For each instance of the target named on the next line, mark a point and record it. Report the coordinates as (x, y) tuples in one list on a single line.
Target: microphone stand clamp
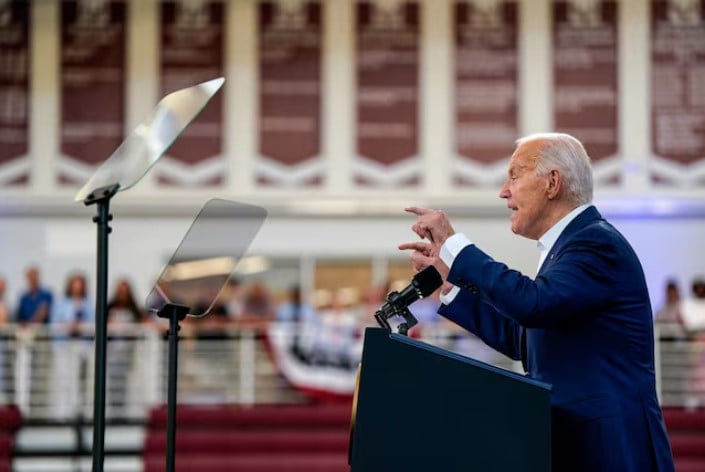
[(392, 308)]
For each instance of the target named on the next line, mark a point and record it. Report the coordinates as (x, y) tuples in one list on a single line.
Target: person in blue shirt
[(35, 303), (71, 320), (295, 309), (304, 328), (75, 310)]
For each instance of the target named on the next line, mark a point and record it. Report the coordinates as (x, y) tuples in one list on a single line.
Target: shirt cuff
[(447, 298), (452, 247), (449, 251)]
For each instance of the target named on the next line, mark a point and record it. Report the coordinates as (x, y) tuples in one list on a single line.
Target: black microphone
[(422, 285)]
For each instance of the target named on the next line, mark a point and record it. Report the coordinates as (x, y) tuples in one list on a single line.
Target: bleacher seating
[(686, 430), (10, 421), (287, 438)]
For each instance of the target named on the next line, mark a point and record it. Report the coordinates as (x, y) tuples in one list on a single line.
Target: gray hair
[(564, 152)]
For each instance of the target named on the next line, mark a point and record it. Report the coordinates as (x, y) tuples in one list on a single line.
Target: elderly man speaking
[(584, 324)]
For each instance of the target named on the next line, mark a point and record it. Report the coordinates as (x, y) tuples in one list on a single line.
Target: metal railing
[(681, 367), (49, 374)]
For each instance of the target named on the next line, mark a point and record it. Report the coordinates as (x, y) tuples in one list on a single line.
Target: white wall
[(141, 245)]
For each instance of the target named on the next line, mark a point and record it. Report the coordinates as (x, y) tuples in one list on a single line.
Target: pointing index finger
[(418, 211), (416, 246)]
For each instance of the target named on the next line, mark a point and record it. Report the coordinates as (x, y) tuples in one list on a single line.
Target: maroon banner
[(387, 93), (92, 85), (677, 86), (192, 52), (289, 92), (585, 75), (486, 84), (14, 89)]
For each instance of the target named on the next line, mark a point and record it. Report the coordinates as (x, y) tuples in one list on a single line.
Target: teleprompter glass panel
[(152, 138), (206, 257)]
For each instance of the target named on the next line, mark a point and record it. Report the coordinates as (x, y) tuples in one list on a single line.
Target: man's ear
[(555, 179)]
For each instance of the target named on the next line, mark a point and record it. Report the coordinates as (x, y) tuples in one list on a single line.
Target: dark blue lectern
[(421, 408)]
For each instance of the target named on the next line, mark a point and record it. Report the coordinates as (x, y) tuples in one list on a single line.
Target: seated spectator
[(36, 302)]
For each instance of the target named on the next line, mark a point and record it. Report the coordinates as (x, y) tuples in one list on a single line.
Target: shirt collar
[(549, 238)]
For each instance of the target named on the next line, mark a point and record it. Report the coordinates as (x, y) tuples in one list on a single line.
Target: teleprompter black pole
[(101, 197), (174, 313)]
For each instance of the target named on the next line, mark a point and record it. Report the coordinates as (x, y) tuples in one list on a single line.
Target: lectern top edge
[(468, 360)]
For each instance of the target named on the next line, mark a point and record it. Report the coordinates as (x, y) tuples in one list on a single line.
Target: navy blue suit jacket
[(585, 326)]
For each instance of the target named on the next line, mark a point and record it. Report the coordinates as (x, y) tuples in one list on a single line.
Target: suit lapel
[(579, 222)]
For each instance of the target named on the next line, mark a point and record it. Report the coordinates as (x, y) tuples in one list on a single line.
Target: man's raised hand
[(433, 225)]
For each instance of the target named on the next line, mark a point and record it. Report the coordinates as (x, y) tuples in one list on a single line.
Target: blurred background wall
[(335, 115)]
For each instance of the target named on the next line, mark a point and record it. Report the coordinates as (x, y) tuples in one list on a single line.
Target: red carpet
[(686, 429), (286, 438), (10, 421), (314, 438)]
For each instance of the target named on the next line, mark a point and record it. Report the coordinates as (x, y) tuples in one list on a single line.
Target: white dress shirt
[(549, 238)]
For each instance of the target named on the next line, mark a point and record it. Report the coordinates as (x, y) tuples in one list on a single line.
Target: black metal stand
[(101, 197), (174, 313), (392, 308)]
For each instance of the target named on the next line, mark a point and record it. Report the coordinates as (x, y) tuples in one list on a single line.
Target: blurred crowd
[(339, 314), (343, 312), (683, 315), (324, 327), (327, 320), (70, 311), (681, 320)]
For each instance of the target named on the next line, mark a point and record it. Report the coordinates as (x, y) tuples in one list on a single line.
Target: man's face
[(33, 279), (526, 193)]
